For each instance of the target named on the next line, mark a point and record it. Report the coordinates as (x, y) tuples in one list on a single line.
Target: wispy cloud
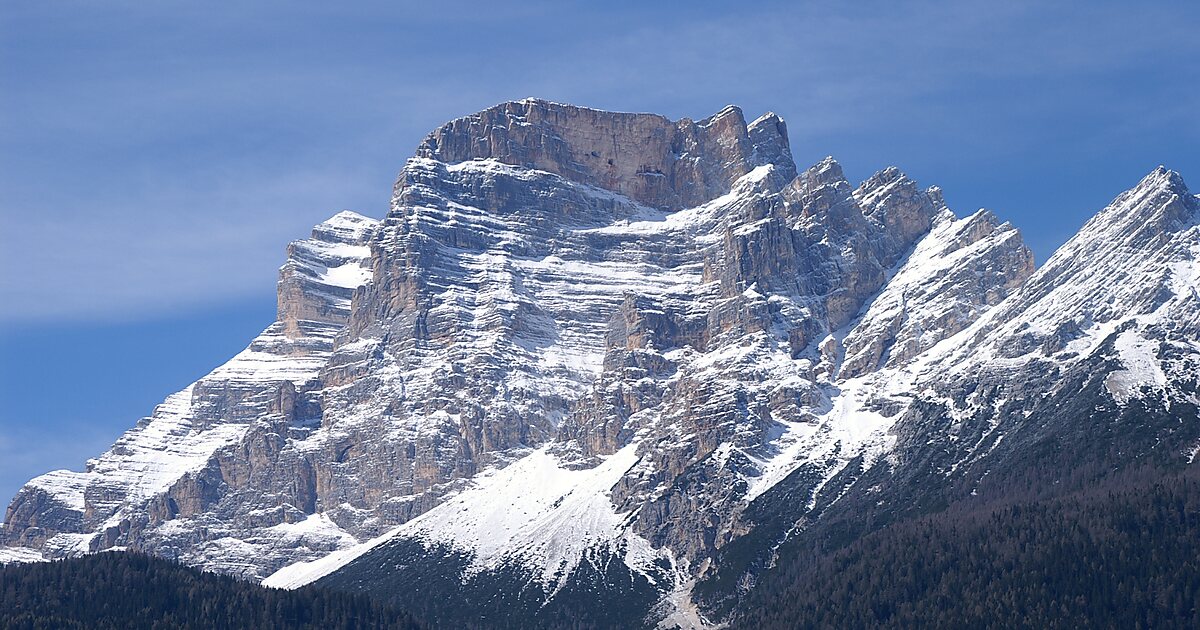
[(154, 156)]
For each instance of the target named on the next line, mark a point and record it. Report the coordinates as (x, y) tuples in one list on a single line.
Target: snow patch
[(846, 431), (317, 526), (1140, 358), (20, 555), (349, 276), (535, 511), (302, 573)]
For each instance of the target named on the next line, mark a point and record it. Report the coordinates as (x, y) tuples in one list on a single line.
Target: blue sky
[(155, 158)]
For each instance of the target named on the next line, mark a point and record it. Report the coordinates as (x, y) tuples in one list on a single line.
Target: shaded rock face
[(560, 285)]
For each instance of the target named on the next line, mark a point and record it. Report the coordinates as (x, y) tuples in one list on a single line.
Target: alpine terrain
[(612, 370)]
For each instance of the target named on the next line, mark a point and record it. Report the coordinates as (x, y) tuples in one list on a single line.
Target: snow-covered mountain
[(604, 355)]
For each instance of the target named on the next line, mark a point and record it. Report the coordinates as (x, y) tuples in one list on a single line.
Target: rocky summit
[(601, 366)]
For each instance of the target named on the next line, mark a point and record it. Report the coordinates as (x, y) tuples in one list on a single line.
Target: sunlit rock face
[(646, 158), (586, 348)]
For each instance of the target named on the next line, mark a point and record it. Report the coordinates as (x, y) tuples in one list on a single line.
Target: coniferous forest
[(128, 590), (1124, 553)]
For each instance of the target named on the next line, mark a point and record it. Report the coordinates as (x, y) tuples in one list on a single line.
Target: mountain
[(605, 369)]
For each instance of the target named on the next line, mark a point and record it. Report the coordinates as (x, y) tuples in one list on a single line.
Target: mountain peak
[(729, 110), (767, 117), (1122, 266), (655, 161), (827, 171), (1158, 205), (344, 227), (1164, 178), (880, 183)]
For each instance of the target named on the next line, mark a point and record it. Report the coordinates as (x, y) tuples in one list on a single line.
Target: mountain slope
[(959, 412), (796, 261), (1119, 554)]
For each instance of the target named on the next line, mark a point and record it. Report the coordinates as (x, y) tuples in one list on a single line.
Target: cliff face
[(587, 348), (653, 161)]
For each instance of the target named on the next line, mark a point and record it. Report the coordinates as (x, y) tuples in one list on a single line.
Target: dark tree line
[(128, 590), (1123, 553), (601, 593)]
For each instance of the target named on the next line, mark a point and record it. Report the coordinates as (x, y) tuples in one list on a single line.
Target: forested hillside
[(127, 590), (1122, 554)]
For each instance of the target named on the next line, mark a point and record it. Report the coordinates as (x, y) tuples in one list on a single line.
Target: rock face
[(590, 351), (645, 157)]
